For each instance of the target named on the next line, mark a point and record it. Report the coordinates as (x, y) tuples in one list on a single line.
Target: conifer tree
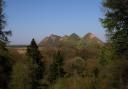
[(5, 68), (34, 53), (5, 59), (3, 34), (116, 23), (56, 69)]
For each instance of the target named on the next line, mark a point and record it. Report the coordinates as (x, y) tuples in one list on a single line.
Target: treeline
[(63, 68), (66, 67)]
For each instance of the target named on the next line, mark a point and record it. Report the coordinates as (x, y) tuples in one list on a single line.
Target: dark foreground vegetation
[(69, 66)]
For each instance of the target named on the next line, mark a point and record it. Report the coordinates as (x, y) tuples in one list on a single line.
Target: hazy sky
[(40, 18)]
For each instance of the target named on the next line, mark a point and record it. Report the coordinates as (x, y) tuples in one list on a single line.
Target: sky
[(39, 18)]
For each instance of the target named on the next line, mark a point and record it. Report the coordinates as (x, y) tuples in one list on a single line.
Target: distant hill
[(91, 39), (52, 40), (74, 36), (71, 40)]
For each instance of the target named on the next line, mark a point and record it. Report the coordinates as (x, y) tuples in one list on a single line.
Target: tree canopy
[(3, 34), (116, 23)]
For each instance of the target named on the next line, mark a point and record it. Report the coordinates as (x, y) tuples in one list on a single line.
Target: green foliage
[(5, 67), (78, 66), (74, 82), (116, 23), (34, 54), (88, 67), (44, 84), (56, 69), (3, 34), (113, 75), (107, 55), (5, 59), (23, 74)]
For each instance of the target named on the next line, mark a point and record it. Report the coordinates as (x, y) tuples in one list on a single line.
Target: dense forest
[(74, 63)]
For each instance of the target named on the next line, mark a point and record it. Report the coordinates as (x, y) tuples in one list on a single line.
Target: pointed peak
[(89, 35), (53, 35), (74, 35), (51, 40)]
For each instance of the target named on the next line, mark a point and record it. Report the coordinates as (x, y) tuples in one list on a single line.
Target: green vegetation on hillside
[(71, 62)]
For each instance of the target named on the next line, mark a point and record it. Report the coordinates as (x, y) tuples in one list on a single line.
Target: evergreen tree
[(5, 59), (5, 68), (56, 69), (34, 54), (116, 23), (3, 34)]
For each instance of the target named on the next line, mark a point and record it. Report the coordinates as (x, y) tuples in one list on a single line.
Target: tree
[(5, 68), (5, 59), (116, 23), (3, 34), (34, 54), (22, 74), (77, 66), (56, 69), (106, 55)]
